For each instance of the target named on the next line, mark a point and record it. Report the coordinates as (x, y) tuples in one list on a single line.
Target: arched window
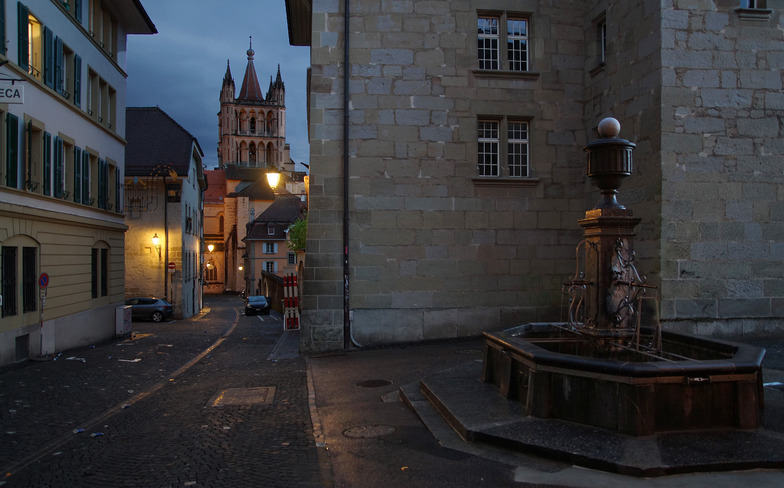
[(220, 223), (253, 125), (252, 154)]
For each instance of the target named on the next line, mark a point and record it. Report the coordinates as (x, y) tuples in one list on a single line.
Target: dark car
[(155, 309), (257, 304)]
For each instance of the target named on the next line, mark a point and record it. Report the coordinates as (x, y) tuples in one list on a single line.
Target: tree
[(297, 234)]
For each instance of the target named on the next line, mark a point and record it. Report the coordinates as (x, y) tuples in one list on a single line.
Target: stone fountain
[(603, 387)]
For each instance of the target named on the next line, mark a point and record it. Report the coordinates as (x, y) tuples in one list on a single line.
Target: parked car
[(149, 308), (257, 304)]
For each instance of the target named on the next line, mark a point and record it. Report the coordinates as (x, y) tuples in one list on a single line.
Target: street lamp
[(156, 241), (273, 178), (210, 247)]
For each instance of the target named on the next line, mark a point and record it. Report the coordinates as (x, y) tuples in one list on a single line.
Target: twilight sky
[(181, 68)]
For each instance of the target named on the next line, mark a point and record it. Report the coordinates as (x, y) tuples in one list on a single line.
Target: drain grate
[(373, 383), (261, 395), (368, 431)]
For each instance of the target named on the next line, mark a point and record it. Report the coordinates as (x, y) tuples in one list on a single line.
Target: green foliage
[(298, 233)]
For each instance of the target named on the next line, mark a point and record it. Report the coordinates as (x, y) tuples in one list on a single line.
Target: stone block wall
[(722, 168), (434, 251)]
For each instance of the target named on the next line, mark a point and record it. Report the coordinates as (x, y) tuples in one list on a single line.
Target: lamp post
[(273, 178)]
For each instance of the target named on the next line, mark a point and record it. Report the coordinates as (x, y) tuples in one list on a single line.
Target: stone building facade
[(464, 176)]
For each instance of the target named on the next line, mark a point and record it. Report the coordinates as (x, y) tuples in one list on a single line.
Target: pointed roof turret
[(279, 80), (227, 77), (250, 83)]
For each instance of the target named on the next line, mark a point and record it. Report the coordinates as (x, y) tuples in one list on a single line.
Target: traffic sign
[(43, 281)]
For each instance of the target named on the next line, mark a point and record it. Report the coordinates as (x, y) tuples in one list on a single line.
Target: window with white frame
[(292, 258), (503, 148), (271, 266), (270, 248), (502, 29)]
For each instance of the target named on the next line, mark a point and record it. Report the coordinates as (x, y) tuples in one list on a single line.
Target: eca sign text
[(12, 94)]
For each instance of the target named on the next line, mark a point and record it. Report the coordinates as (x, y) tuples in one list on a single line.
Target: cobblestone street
[(146, 407)]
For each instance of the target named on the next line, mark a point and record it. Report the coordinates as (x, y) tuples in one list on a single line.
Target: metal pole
[(346, 269)]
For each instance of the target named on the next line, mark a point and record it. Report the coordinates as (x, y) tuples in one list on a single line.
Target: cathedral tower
[(252, 126)]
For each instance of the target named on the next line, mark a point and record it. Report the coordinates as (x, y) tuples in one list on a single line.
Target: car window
[(257, 299), (146, 301), (132, 301)]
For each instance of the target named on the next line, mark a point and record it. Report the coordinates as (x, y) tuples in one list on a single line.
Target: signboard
[(12, 94), (43, 281), (171, 267)]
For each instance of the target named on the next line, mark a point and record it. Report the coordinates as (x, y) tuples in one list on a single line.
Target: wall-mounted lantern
[(156, 241)]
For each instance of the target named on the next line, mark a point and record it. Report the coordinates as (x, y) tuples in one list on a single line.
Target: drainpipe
[(346, 309), (166, 240)]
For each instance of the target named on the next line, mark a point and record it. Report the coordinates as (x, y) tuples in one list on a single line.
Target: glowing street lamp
[(156, 241)]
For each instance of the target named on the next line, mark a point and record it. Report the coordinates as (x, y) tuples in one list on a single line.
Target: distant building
[(164, 184), (456, 197), (62, 156), (265, 242), (252, 126)]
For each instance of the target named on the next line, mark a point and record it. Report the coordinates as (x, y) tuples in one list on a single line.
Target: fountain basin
[(696, 383)]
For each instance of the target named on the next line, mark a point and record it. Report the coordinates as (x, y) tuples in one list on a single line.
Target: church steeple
[(227, 90), (250, 89), (277, 90)]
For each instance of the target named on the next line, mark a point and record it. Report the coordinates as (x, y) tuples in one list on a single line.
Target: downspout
[(346, 271), (166, 240)]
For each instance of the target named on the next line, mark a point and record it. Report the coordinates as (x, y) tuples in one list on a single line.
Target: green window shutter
[(12, 151), (117, 190), (77, 80), (85, 177), (48, 58), (78, 10), (101, 183), (47, 179), (59, 69), (77, 177), (59, 167), (22, 16), (2, 27)]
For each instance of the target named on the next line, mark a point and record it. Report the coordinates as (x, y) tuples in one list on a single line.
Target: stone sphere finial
[(609, 128)]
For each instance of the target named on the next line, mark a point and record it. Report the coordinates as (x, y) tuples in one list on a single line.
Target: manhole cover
[(373, 383), (368, 431), (244, 396)]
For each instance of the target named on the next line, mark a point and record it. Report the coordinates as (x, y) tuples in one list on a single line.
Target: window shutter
[(59, 170), (78, 10), (117, 191), (77, 80), (48, 58), (47, 179), (102, 183), (275, 266), (85, 177), (2, 27), (275, 248), (22, 16), (77, 180), (12, 151), (59, 69)]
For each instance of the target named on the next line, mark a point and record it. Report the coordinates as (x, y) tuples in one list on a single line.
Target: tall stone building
[(252, 126), (447, 173)]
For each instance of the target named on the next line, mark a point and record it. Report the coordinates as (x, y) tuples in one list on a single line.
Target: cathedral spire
[(250, 89)]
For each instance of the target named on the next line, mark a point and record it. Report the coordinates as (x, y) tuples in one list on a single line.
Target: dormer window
[(271, 229)]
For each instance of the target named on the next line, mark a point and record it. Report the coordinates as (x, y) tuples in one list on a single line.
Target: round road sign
[(43, 281)]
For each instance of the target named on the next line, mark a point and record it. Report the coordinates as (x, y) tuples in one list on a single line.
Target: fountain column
[(610, 276)]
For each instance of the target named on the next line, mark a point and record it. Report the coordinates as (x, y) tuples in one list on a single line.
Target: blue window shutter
[(59, 69), (77, 80), (47, 179), (12, 151), (22, 16), (78, 10), (275, 249), (117, 190), (59, 168), (48, 58), (2, 27), (77, 180), (85, 177)]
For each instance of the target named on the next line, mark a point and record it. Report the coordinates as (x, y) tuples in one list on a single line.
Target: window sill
[(491, 181), (492, 73), (757, 14)]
